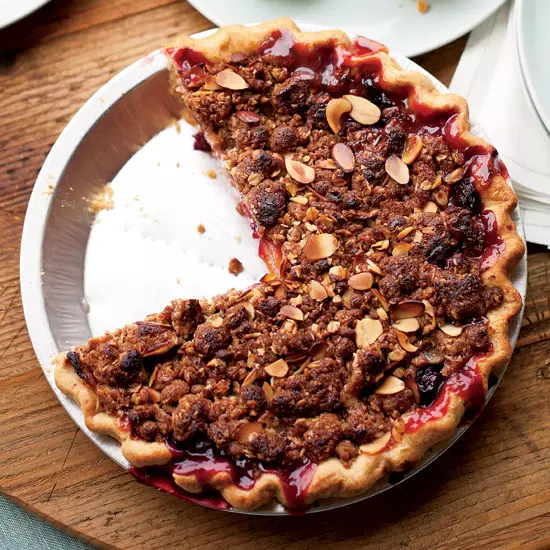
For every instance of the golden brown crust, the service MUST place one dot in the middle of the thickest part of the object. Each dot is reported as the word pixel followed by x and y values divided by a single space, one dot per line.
pixel 332 478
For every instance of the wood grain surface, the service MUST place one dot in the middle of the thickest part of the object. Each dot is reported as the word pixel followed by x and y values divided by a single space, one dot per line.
pixel 491 490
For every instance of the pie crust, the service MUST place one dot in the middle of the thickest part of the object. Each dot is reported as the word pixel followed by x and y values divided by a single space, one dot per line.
pixel 411 433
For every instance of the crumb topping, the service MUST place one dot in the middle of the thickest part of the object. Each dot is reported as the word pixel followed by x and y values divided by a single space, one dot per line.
pixel 235 267
pixel 375 296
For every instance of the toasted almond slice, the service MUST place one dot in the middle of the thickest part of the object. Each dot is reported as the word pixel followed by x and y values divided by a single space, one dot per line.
pixel 337 273
pixel 397 169
pixel 317 291
pixel 159 349
pixel 363 111
pixel 376 445
pixel 216 321
pixel 300 199
pixel 413 146
pixel 381 245
pixel 390 385
pixel 334 111
pixel 430 207
pixel 402 234
pixel 250 377
pixel 347 296
pixel 381 299
pixel 455 175
pixel 407 309
pixel 367 331
pixel 250 117
pixel 299 171
pixel 441 197
pixel 320 246
pixel 410 324
pixel 401 249
pixel 245 431
pixel 333 327
pixel 397 354
pixel 231 80
pixel 343 156
pixel 210 83
pixel 361 281
pixel 268 390
pixel 327 164
pixel 404 342
pixel 373 267
pixel 250 310
pixel 451 330
pixel 430 311
pixel 292 312
pixel 382 313
pixel 278 369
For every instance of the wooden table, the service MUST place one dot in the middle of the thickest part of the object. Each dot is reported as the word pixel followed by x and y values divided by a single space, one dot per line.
pixel 491 490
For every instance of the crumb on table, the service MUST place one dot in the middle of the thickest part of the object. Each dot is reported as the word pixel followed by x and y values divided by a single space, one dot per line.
pixel 201 228
pixel 211 173
pixel 235 266
pixel 422 6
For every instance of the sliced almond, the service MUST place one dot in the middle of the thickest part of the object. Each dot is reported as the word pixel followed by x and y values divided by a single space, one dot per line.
pixel 441 197
pixel 390 385
pixel 410 324
pixel 231 80
pixel 404 342
pixel 337 273
pixel 299 171
pixel 317 291
pixel 361 281
pixel 278 369
pixel 413 146
pixel 250 117
pixel 401 249
pixel 367 331
pixel 327 164
pixel 376 445
pixel 402 234
pixel 363 111
pixel 417 237
pixel 451 330
pixel 343 156
pixel 397 354
pixel 407 309
pixel 210 83
pixel 300 199
pixel 292 312
pixel 333 327
pixel 430 207
pixel 374 267
pixel 381 245
pixel 381 312
pixel 455 176
pixel 381 299
pixel 397 169
pixel 158 349
pixel 245 431
pixel 334 111
pixel 347 296
pixel 268 390
pixel 320 246
pixel 250 377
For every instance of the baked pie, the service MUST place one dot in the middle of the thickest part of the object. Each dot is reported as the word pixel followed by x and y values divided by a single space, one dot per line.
pixel 386 229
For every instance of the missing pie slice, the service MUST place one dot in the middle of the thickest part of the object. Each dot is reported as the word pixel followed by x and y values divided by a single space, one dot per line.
pixel 386 226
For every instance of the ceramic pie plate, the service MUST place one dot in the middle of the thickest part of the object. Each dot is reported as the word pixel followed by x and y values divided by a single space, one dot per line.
pixel 84 271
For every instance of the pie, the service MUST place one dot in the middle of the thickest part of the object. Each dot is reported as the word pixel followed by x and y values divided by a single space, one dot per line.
pixel 386 228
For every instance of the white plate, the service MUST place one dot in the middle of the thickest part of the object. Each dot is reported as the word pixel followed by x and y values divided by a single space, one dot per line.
pixel 396 23
pixel 532 19
pixel 11 11
pixel 80 276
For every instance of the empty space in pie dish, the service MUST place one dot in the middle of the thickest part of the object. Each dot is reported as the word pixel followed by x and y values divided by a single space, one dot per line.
pixel 146 250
